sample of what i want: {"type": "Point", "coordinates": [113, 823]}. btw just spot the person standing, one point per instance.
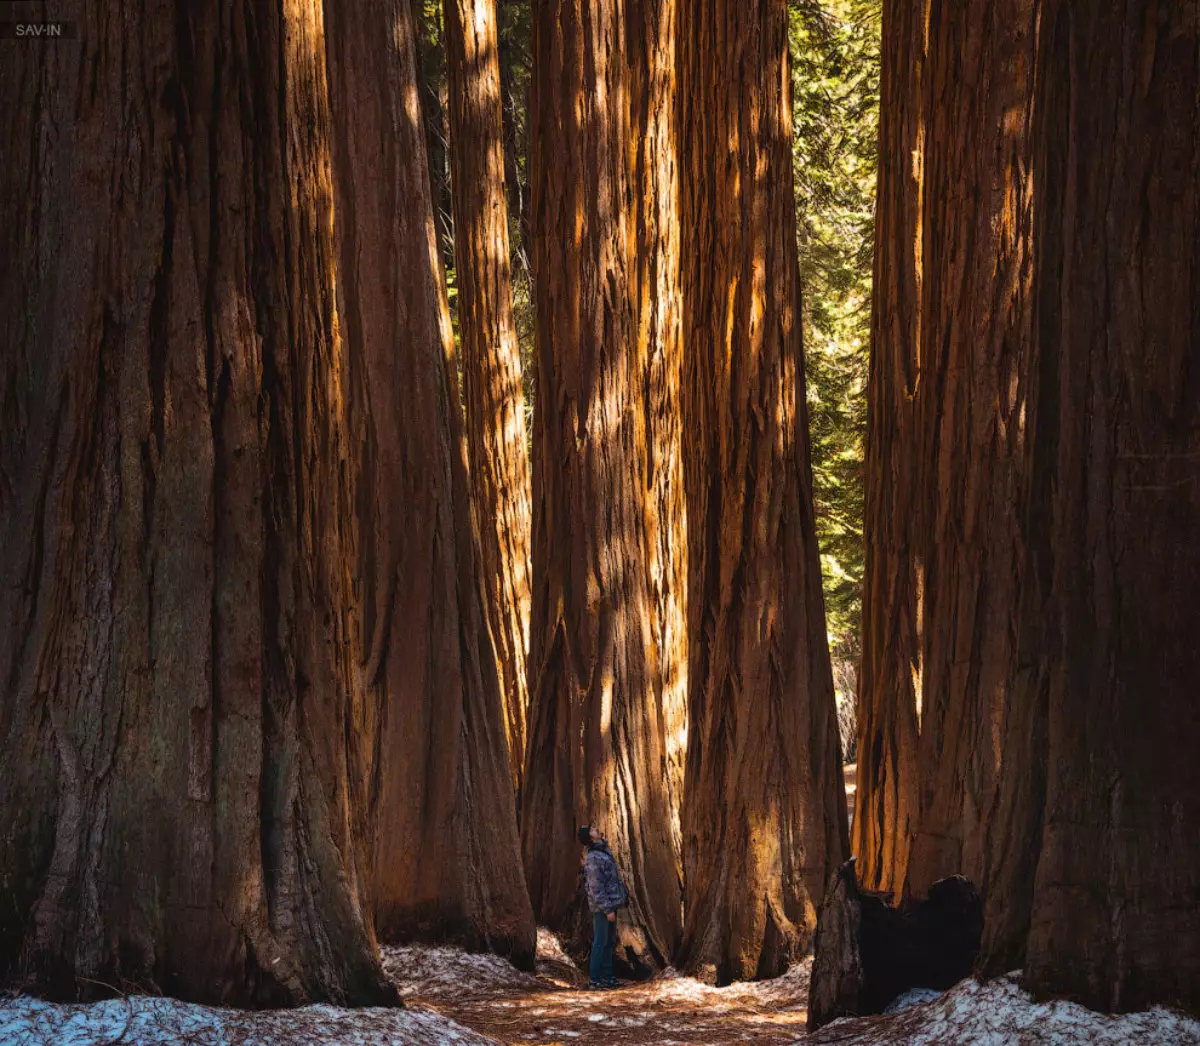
{"type": "Point", "coordinates": [605, 894]}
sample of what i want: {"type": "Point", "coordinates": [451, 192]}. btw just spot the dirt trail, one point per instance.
{"type": "Point", "coordinates": [548, 1010]}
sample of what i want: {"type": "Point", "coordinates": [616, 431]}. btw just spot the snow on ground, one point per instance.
{"type": "Point", "coordinates": [434, 973]}
{"type": "Point", "coordinates": [459, 999]}
{"type": "Point", "coordinates": [1002, 1014]}
{"type": "Point", "coordinates": [147, 1021]}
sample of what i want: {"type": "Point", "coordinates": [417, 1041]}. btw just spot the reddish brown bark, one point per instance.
{"type": "Point", "coordinates": [1115, 512]}
{"type": "Point", "coordinates": [975, 330]}
{"type": "Point", "coordinates": [597, 751]}
{"type": "Point", "coordinates": [653, 66]}
{"type": "Point", "coordinates": [889, 683]}
{"type": "Point", "coordinates": [179, 769]}
{"type": "Point", "coordinates": [446, 856]}
{"type": "Point", "coordinates": [491, 360]}
{"type": "Point", "coordinates": [764, 816]}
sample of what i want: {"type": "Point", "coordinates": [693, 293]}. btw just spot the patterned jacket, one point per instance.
{"type": "Point", "coordinates": [605, 891]}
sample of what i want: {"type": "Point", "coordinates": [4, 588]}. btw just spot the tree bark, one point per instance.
{"type": "Point", "coordinates": [447, 863]}
{"type": "Point", "coordinates": [179, 770]}
{"type": "Point", "coordinates": [1116, 494]}
{"type": "Point", "coordinates": [885, 807]}
{"type": "Point", "coordinates": [597, 750]}
{"type": "Point", "coordinates": [491, 360]}
{"type": "Point", "coordinates": [660, 327]}
{"type": "Point", "coordinates": [975, 329]}
{"type": "Point", "coordinates": [764, 815]}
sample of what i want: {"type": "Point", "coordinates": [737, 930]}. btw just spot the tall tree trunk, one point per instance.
{"type": "Point", "coordinates": [975, 329]}
{"type": "Point", "coordinates": [764, 813]}
{"type": "Point", "coordinates": [660, 327]}
{"type": "Point", "coordinates": [179, 768]}
{"type": "Point", "coordinates": [447, 862]}
{"type": "Point", "coordinates": [1113, 919]}
{"type": "Point", "coordinates": [491, 364]}
{"type": "Point", "coordinates": [885, 806]}
{"type": "Point", "coordinates": [597, 748]}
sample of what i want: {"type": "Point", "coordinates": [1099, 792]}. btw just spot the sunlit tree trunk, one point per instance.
{"type": "Point", "coordinates": [764, 816]}
{"type": "Point", "coordinates": [653, 70]}
{"type": "Point", "coordinates": [975, 331]}
{"type": "Point", "coordinates": [179, 764]}
{"type": "Point", "coordinates": [491, 361]}
{"type": "Point", "coordinates": [889, 681]}
{"type": "Point", "coordinates": [1114, 513]}
{"type": "Point", "coordinates": [447, 863]}
{"type": "Point", "coordinates": [597, 747]}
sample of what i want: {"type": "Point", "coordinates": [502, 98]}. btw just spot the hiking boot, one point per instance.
{"type": "Point", "coordinates": [598, 986]}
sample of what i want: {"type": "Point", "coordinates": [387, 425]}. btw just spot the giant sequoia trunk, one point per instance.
{"type": "Point", "coordinates": [491, 363]}
{"type": "Point", "coordinates": [446, 855]}
{"type": "Point", "coordinates": [180, 807]}
{"type": "Point", "coordinates": [764, 815]}
{"type": "Point", "coordinates": [1115, 512]}
{"type": "Point", "coordinates": [975, 329]}
{"type": "Point", "coordinates": [597, 751]}
{"type": "Point", "coordinates": [885, 805]}
{"type": "Point", "coordinates": [652, 61]}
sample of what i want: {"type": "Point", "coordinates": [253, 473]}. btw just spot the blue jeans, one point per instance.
{"type": "Point", "coordinates": [604, 940]}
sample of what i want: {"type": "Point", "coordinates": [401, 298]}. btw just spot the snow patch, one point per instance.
{"type": "Point", "coordinates": [1001, 1013]}
{"type": "Point", "coordinates": [446, 974]}
{"type": "Point", "coordinates": [141, 1020]}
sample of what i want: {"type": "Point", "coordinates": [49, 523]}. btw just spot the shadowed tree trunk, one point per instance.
{"type": "Point", "coordinates": [885, 806]}
{"type": "Point", "coordinates": [975, 329]}
{"type": "Point", "coordinates": [1115, 509]}
{"type": "Point", "coordinates": [491, 363]}
{"type": "Point", "coordinates": [179, 768]}
{"type": "Point", "coordinates": [597, 751]}
{"type": "Point", "coordinates": [447, 863]}
{"type": "Point", "coordinates": [764, 814]}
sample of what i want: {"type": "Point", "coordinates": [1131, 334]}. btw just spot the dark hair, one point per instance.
{"type": "Point", "coordinates": [585, 834]}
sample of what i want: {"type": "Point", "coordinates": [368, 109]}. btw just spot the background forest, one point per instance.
{"type": "Point", "coordinates": [835, 78]}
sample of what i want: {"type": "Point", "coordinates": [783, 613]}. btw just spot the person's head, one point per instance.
{"type": "Point", "coordinates": [588, 834]}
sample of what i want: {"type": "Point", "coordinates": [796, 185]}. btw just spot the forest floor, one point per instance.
{"type": "Point", "coordinates": [480, 1000]}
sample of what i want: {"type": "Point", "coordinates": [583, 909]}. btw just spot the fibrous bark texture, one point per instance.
{"type": "Point", "coordinates": [597, 749]}
{"type": "Point", "coordinates": [1115, 505]}
{"type": "Point", "coordinates": [975, 330]}
{"type": "Point", "coordinates": [885, 805]}
{"type": "Point", "coordinates": [179, 769]}
{"type": "Point", "coordinates": [764, 817]}
{"type": "Point", "coordinates": [491, 361]}
{"type": "Point", "coordinates": [652, 31]}
{"type": "Point", "coordinates": [446, 861]}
